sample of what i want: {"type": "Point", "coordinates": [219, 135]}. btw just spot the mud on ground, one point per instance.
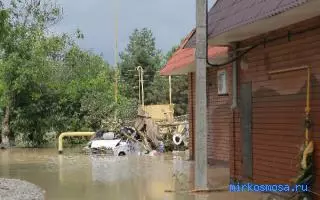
{"type": "Point", "coordinates": [14, 189]}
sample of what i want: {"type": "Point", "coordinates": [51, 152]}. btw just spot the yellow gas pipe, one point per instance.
{"type": "Point", "coordinates": [309, 144]}
{"type": "Point", "coordinates": [71, 134]}
{"type": "Point", "coordinates": [307, 110]}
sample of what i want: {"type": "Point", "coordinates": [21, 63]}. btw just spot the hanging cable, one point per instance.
{"type": "Point", "coordinates": [230, 61]}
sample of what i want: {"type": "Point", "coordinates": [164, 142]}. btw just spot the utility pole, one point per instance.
{"type": "Point", "coordinates": [140, 69]}
{"type": "Point", "coordinates": [201, 97]}
{"type": "Point", "coordinates": [116, 56]}
{"type": "Point", "coordinates": [142, 89]}
{"type": "Point", "coordinates": [139, 86]}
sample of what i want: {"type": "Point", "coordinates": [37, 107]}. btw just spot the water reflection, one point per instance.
{"type": "Point", "coordinates": [77, 176]}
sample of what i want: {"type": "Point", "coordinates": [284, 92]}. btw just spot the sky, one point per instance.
{"type": "Point", "coordinates": [169, 20]}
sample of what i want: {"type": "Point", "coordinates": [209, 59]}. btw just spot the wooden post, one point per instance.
{"type": "Point", "coordinates": [170, 91]}
{"type": "Point", "coordinates": [142, 89]}
{"type": "Point", "coordinates": [139, 85]}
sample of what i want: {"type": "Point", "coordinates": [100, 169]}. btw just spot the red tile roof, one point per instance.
{"type": "Point", "coordinates": [226, 15]}
{"type": "Point", "coordinates": [185, 57]}
{"type": "Point", "coordinates": [180, 59]}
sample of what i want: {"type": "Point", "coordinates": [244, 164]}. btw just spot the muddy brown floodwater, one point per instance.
{"type": "Point", "coordinates": [75, 176]}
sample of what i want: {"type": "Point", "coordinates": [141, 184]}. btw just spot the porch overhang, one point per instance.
{"type": "Point", "coordinates": [183, 61]}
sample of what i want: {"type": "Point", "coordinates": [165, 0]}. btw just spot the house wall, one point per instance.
{"type": "Point", "coordinates": [278, 104]}
{"type": "Point", "coordinates": [218, 114]}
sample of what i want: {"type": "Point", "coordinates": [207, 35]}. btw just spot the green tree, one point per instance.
{"type": "Point", "coordinates": [180, 94]}
{"type": "Point", "coordinates": [87, 98]}
{"type": "Point", "coordinates": [24, 55]}
{"type": "Point", "coordinates": [141, 51]}
{"type": "Point", "coordinates": [159, 92]}
{"type": "Point", "coordinates": [47, 83]}
{"type": "Point", "coordinates": [4, 24]}
{"type": "Point", "coordinates": [85, 78]}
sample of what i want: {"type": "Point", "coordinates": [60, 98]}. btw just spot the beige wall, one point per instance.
{"type": "Point", "coordinates": [158, 112]}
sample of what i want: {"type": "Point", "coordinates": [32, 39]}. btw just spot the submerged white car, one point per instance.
{"type": "Point", "coordinates": [116, 147]}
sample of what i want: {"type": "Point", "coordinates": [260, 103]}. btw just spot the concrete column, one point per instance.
{"type": "Point", "coordinates": [201, 97]}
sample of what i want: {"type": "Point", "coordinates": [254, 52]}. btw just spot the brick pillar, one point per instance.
{"type": "Point", "coordinates": [191, 115]}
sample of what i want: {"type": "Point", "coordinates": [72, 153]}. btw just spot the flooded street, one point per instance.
{"type": "Point", "coordinates": [78, 176]}
{"type": "Point", "coordinates": [75, 176]}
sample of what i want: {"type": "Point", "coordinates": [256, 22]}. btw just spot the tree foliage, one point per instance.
{"type": "Point", "coordinates": [141, 51]}
{"type": "Point", "coordinates": [49, 84]}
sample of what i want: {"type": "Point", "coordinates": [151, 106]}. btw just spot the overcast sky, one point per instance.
{"type": "Point", "coordinates": [170, 21]}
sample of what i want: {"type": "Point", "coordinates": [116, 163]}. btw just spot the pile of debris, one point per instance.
{"type": "Point", "coordinates": [150, 135]}
{"type": "Point", "coordinates": [173, 134]}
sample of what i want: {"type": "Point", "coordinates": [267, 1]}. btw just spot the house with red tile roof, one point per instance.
{"type": "Point", "coordinates": [182, 62]}
{"type": "Point", "coordinates": [274, 43]}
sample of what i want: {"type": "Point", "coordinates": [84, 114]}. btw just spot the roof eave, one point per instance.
{"type": "Point", "coordinates": [293, 16]}
{"type": "Point", "coordinates": [218, 59]}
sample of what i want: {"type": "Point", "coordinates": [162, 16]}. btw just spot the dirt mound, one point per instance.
{"type": "Point", "coordinates": [14, 189]}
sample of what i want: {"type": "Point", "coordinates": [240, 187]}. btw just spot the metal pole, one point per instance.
{"type": "Point", "coordinates": [116, 55]}
{"type": "Point", "coordinates": [234, 79]}
{"type": "Point", "coordinates": [170, 91]}
{"type": "Point", "coordinates": [142, 89]}
{"type": "Point", "coordinates": [139, 76]}
{"type": "Point", "coordinates": [201, 97]}
{"type": "Point", "coordinates": [139, 86]}
{"type": "Point", "coordinates": [140, 69]}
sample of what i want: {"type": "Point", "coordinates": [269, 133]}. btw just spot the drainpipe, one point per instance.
{"type": "Point", "coordinates": [234, 78]}
{"type": "Point", "coordinates": [234, 105]}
